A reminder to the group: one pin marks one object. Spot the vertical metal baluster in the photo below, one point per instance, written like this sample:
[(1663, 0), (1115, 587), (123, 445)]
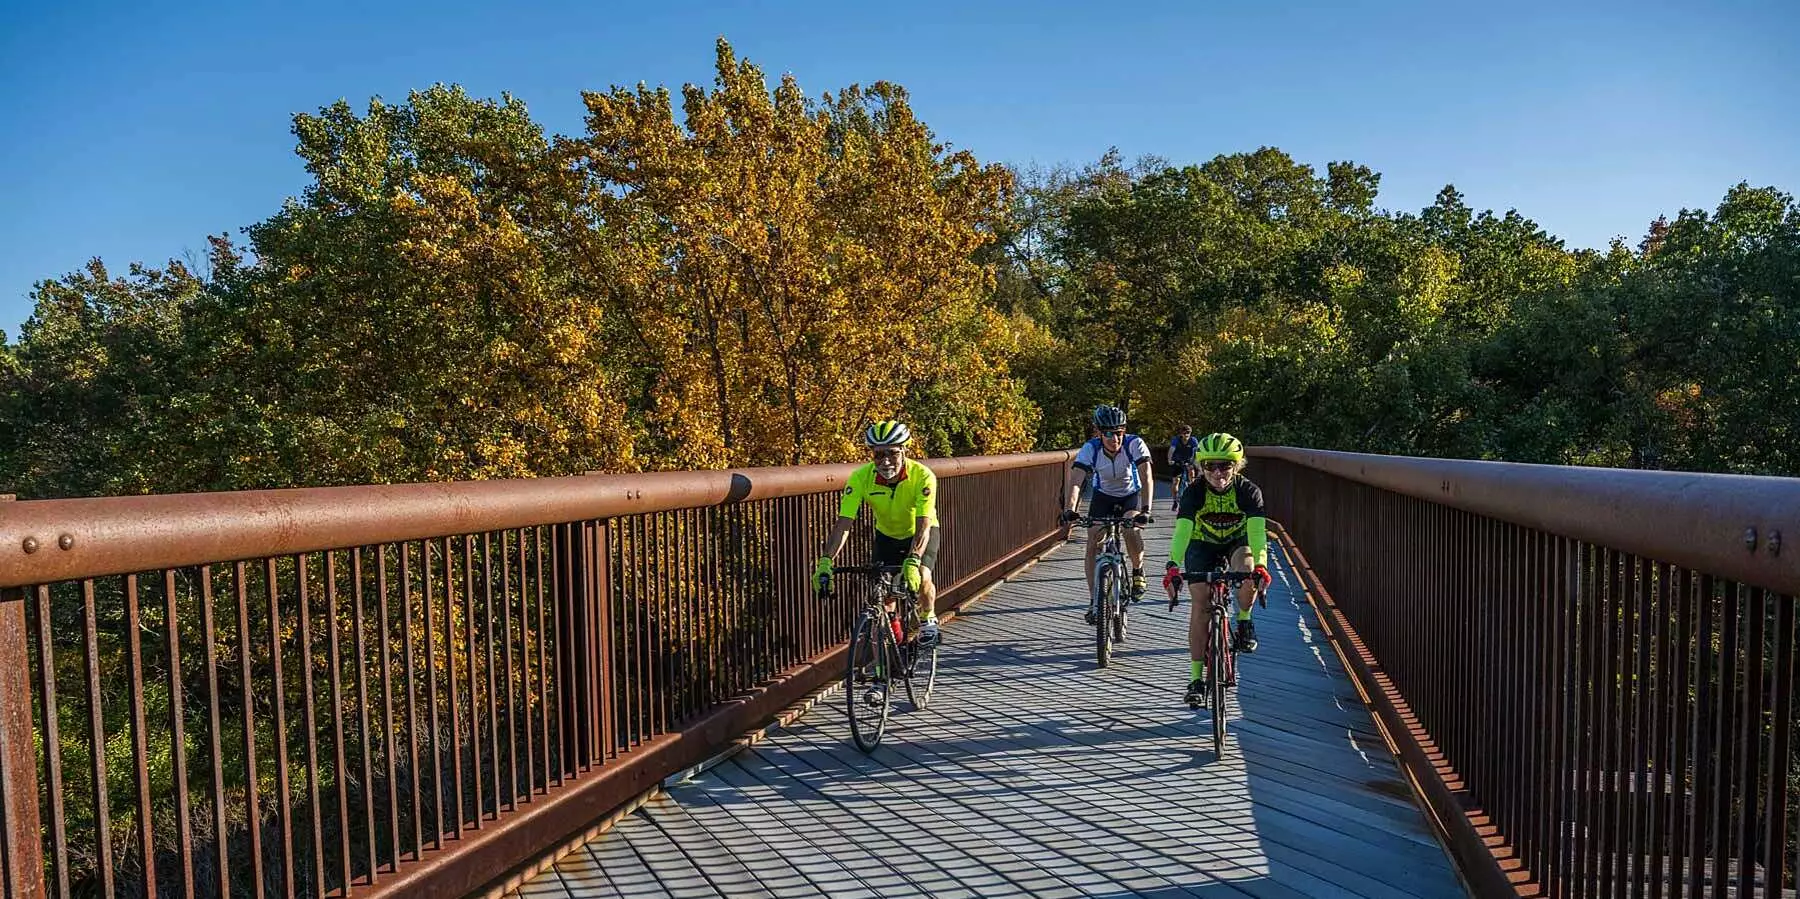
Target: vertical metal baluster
[(512, 701), (412, 681), (493, 709), (97, 740), (252, 781), (367, 738), (59, 821), (339, 774), (140, 753), (178, 737), (389, 738)]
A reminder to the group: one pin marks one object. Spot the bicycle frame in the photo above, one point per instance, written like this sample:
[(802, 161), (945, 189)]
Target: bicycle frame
[(1107, 611)]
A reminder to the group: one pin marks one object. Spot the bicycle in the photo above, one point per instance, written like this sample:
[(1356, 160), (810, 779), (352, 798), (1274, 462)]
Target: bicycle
[(1184, 475), (1220, 653), (884, 648), (1106, 608)]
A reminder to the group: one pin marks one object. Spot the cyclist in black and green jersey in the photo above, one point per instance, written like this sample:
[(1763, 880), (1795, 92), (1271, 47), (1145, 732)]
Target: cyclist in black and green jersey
[(903, 495), (1221, 519)]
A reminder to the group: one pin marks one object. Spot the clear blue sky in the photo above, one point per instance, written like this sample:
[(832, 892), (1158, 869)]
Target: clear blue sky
[(132, 130)]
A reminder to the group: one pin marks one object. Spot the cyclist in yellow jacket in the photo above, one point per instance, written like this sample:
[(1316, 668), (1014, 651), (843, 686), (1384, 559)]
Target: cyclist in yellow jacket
[(903, 495), (1221, 519)]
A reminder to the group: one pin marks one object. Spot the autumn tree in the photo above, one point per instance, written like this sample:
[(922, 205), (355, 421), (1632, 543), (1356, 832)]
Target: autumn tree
[(787, 269)]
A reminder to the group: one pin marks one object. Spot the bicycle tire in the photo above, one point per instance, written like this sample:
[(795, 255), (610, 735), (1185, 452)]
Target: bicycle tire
[(1105, 583), (921, 676), (1119, 628), (870, 650), (1216, 663)]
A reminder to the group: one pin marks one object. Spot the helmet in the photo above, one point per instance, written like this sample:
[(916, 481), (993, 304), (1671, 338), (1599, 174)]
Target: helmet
[(1108, 417), (1220, 446), (887, 433)]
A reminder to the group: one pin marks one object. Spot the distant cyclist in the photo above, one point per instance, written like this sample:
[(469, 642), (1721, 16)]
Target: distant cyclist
[(903, 495), (1181, 458), (1221, 519), (1118, 466)]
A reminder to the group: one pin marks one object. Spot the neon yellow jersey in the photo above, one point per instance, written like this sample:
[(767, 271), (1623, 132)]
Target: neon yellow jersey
[(897, 506)]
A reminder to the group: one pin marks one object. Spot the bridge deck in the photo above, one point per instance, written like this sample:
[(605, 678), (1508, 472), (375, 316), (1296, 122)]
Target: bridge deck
[(1035, 773)]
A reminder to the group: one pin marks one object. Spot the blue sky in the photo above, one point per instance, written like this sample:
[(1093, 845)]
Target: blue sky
[(132, 130)]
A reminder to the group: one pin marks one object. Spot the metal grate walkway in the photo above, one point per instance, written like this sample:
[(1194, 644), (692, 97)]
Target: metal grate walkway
[(1034, 773)]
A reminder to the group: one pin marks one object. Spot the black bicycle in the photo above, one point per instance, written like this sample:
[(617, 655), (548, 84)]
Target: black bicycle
[(884, 653), (1220, 653), (1106, 608)]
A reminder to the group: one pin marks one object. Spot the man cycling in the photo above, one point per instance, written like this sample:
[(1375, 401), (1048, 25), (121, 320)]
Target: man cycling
[(903, 495), (1181, 458), (1221, 518), (1118, 464)]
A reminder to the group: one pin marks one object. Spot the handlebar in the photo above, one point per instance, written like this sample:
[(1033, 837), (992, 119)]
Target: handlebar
[(1228, 578), (872, 571), (1090, 522)]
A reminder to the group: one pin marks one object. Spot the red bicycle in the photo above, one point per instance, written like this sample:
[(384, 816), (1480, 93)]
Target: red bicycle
[(1220, 656)]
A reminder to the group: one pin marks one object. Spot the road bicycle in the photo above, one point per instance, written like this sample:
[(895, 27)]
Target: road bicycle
[(1220, 652), (884, 653), (1106, 608), (1184, 475)]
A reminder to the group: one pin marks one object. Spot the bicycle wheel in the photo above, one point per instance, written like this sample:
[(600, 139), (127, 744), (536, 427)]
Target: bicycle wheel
[(867, 686), (921, 674), (1120, 609), (1215, 669), (1106, 583)]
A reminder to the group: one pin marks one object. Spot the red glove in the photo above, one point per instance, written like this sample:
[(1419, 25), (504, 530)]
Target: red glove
[(1172, 579), (1262, 574)]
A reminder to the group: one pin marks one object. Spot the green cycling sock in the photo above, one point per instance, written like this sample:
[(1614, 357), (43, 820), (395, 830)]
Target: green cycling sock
[(1196, 668), (1243, 614)]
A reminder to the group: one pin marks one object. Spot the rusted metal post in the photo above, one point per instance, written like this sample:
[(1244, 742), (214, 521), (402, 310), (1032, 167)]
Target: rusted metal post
[(21, 852)]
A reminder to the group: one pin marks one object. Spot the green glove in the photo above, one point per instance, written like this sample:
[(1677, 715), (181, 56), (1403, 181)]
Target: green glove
[(909, 571), (822, 573)]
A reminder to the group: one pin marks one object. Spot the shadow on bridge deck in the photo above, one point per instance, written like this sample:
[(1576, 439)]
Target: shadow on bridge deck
[(1034, 773)]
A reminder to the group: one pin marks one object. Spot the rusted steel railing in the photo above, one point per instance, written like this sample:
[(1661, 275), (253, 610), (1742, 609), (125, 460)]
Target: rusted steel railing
[(1599, 664), (413, 689)]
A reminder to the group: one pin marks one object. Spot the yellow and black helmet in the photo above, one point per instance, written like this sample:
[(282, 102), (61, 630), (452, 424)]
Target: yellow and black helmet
[(1216, 447), (887, 433)]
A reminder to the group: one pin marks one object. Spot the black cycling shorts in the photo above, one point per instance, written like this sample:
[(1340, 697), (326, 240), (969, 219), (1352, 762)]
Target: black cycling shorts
[(1103, 505), (890, 551), (1203, 557)]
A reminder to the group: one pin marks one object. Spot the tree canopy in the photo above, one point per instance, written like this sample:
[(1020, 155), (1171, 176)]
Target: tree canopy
[(746, 274)]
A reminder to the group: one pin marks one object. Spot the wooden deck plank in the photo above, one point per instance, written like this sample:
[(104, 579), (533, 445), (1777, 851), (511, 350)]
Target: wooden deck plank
[(1036, 773)]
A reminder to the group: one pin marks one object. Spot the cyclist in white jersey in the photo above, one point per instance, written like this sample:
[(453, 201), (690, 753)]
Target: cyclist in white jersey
[(1118, 466)]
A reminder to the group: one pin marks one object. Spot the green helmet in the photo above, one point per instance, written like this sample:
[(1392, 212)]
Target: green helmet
[(1221, 446), (887, 433)]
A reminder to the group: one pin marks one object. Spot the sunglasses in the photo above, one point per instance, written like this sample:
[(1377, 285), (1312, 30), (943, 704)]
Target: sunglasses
[(1116, 432), (1216, 466), (887, 454)]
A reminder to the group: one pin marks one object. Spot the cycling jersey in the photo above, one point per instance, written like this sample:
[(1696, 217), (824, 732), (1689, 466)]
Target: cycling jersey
[(1117, 474), (1236, 515), (1181, 451), (897, 506)]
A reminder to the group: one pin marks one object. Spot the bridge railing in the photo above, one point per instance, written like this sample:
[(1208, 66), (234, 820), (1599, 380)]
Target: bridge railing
[(417, 688), (1598, 664)]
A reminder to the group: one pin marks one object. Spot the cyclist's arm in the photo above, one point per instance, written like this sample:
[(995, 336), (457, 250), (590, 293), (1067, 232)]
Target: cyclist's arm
[(1077, 474), (1184, 528), (921, 536), (925, 513), (1145, 495), (834, 541), (1256, 524)]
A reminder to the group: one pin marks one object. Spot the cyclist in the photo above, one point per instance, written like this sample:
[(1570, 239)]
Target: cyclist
[(1181, 458), (1221, 519), (1118, 465), (903, 494)]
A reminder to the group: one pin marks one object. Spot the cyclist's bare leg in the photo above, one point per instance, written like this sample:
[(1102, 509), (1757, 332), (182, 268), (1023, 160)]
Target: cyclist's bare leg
[(927, 594), (1199, 603), (1246, 591), (1095, 535), (1134, 547)]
